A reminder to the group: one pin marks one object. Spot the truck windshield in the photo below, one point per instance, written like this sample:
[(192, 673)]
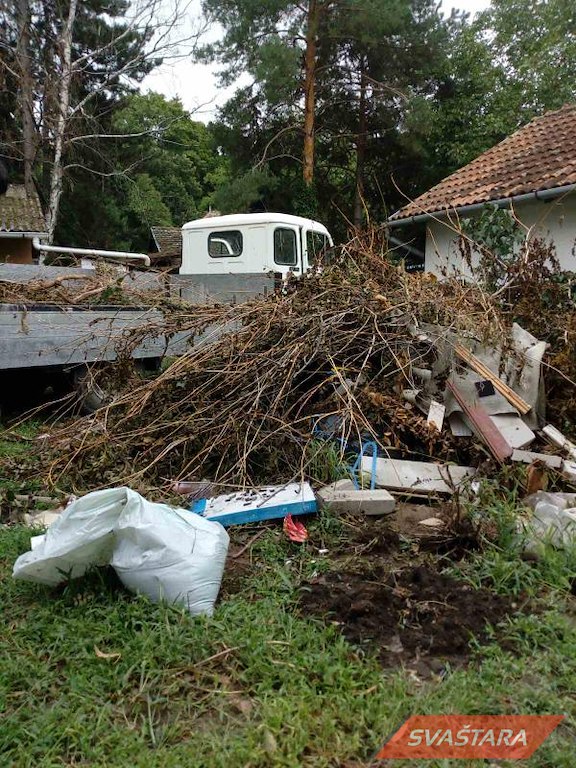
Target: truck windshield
[(316, 246)]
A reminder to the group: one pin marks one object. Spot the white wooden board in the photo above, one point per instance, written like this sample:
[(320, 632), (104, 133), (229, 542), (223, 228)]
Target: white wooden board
[(417, 476)]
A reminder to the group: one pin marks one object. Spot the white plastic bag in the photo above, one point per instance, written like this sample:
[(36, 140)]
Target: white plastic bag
[(553, 519), (165, 553), (170, 554)]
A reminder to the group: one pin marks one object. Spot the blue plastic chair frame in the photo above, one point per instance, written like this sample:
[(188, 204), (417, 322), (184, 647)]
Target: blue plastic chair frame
[(354, 469)]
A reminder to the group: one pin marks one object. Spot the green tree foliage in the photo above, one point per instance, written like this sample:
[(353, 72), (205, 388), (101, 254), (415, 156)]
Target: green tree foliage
[(163, 169), (515, 61), (372, 59)]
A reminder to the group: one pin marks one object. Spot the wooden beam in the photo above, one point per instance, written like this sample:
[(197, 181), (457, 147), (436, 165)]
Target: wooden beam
[(483, 425)]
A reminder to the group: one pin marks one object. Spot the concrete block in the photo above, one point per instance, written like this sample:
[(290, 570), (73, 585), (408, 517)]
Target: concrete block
[(356, 502), (342, 485)]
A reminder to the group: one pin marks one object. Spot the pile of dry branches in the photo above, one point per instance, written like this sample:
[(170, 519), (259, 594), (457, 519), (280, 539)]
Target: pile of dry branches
[(245, 405)]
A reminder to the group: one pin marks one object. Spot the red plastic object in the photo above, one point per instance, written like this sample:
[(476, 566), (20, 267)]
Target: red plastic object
[(295, 530)]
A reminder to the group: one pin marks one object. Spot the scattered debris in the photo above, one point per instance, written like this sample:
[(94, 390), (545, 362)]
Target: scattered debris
[(436, 415), (433, 522), (557, 438), (356, 501), (514, 431), (245, 407), (553, 520), (103, 655), (360, 354), (42, 518), (536, 477), (194, 489), (528, 457)]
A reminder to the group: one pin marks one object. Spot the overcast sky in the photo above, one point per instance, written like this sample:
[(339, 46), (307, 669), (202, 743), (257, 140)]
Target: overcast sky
[(195, 84)]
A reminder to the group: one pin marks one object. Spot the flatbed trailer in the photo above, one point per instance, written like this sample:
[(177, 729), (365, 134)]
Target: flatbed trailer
[(70, 339)]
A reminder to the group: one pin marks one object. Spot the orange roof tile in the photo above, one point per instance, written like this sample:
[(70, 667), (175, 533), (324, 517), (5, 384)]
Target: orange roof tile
[(541, 155)]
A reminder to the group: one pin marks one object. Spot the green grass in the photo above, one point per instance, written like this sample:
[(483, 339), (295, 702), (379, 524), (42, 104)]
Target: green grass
[(255, 685), (15, 469)]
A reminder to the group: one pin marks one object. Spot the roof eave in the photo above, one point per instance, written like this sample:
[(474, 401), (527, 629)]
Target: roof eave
[(503, 202)]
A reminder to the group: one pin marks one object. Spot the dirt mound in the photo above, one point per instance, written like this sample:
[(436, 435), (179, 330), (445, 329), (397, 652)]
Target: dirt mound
[(416, 616)]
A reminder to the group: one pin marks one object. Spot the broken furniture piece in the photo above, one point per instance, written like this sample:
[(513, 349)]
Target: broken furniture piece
[(252, 506)]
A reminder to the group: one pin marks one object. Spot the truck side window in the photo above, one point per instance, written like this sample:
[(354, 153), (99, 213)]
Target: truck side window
[(285, 252), (225, 244)]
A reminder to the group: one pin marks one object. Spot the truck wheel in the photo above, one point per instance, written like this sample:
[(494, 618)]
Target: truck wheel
[(90, 388), (96, 385)]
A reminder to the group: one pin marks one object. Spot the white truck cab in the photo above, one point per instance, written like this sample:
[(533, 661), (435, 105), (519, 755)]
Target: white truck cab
[(252, 242)]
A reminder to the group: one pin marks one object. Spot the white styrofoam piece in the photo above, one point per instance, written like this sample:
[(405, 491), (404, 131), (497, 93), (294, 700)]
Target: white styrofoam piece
[(436, 415)]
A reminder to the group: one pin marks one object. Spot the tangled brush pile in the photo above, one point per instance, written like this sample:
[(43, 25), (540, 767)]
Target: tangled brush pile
[(245, 405)]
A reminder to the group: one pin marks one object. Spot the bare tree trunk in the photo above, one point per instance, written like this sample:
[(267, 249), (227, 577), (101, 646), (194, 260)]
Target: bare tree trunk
[(56, 175), (310, 90), (48, 87), (360, 152), (24, 66)]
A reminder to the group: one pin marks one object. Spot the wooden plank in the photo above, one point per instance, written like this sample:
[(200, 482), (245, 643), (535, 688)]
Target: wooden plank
[(557, 438), (481, 369), (483, 425), (529, 457), (416, 477), (31, 339)]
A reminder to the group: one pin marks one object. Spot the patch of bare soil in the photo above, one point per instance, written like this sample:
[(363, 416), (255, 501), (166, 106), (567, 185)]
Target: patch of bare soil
[(388, 595), (414, 616)]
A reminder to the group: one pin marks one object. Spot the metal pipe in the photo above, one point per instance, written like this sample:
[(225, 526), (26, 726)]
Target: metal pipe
[(120, 255), (12, 235), (503, 202)]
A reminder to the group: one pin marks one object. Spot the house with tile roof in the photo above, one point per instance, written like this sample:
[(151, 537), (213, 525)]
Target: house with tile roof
[(165, 247), (532, 173), (21, 220)]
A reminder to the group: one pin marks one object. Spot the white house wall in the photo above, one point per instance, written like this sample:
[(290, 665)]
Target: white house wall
[(554, 220)]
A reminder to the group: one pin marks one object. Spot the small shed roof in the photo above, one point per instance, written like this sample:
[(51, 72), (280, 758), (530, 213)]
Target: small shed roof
[(537, 157), (168, 241), (21, 212)]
